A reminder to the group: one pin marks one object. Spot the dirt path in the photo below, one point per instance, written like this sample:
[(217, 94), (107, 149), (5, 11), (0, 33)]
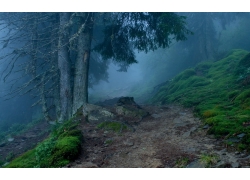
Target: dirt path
[(170, 137)]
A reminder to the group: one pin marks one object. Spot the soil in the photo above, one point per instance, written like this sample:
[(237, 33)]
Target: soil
[(169, 137)]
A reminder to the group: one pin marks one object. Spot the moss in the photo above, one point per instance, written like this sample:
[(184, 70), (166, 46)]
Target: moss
[(215, 94), (209, 113), (62, 146), (66, 150), (208, 159), (27, 160), (243, 96), (185, 74), (114, 126)]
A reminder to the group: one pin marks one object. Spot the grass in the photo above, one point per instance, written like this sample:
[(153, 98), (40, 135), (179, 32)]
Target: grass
[(181, 162), (208, 159), (62, 146), (218, 92)]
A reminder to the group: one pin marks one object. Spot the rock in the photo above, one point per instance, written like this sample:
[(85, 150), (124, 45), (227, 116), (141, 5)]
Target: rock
[(236, 153), (87, 165), (195, 164), (190, 149), (156, 116), (245, 158), (206, 126), (186, 134), (156, 164), (127, 101), (241, 135), (127, 107), (234, 140), (2, 144), (224, 150), (182, 113), (235, 165), (128, 142), (52, 122), (97, 113), (220, 164), (10, 139)]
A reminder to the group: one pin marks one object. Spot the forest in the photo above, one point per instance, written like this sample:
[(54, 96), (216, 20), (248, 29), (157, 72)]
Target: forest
[(124, 90)]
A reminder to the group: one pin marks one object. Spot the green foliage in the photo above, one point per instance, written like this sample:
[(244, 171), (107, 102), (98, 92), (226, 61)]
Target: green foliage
[(181, 162), (114, 126), (144, 32), (208, 159), (27, 160), (10, 156), (1, 163), (62, 146), (215, 93), (44, 150)]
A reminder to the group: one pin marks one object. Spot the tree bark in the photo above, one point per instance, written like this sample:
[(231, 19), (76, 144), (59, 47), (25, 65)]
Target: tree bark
[(43, 99), (82, 62), (64, 65)]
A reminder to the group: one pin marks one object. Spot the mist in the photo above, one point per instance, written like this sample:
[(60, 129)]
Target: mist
[(159, 66), (152, 68)]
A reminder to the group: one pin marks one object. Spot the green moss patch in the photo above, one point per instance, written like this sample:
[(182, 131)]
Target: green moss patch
[(218, 92), (62, 146), (114, 126)]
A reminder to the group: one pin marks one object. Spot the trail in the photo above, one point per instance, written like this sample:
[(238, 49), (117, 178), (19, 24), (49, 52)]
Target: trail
[(170, 137)]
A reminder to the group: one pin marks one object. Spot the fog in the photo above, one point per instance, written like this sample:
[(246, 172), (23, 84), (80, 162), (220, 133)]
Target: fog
[(153, 68)]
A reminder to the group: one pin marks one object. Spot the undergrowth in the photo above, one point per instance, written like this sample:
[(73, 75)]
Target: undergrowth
[(218, 92), (62, 146)]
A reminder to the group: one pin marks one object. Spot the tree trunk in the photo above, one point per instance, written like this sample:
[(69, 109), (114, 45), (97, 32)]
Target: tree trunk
[(64, 65), (82, 62), (43, 99), (56, 77)]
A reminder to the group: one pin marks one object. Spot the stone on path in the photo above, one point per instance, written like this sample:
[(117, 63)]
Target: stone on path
[(195, 164)]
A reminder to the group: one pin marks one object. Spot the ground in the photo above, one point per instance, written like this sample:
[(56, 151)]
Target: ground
[(169, 137), (21, 143)]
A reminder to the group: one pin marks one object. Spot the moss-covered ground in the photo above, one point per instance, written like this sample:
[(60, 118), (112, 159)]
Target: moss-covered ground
[(219, 92), (114, 126), (62, 146)]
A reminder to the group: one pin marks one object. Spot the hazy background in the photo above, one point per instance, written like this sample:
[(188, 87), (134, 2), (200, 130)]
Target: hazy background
[(215, 35)]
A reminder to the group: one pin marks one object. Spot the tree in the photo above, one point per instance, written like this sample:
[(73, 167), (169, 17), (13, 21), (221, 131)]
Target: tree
[(122, 34), (59, 37)]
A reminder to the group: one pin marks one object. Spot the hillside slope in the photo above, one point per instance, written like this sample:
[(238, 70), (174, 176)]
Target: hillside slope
[(219, 93)]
